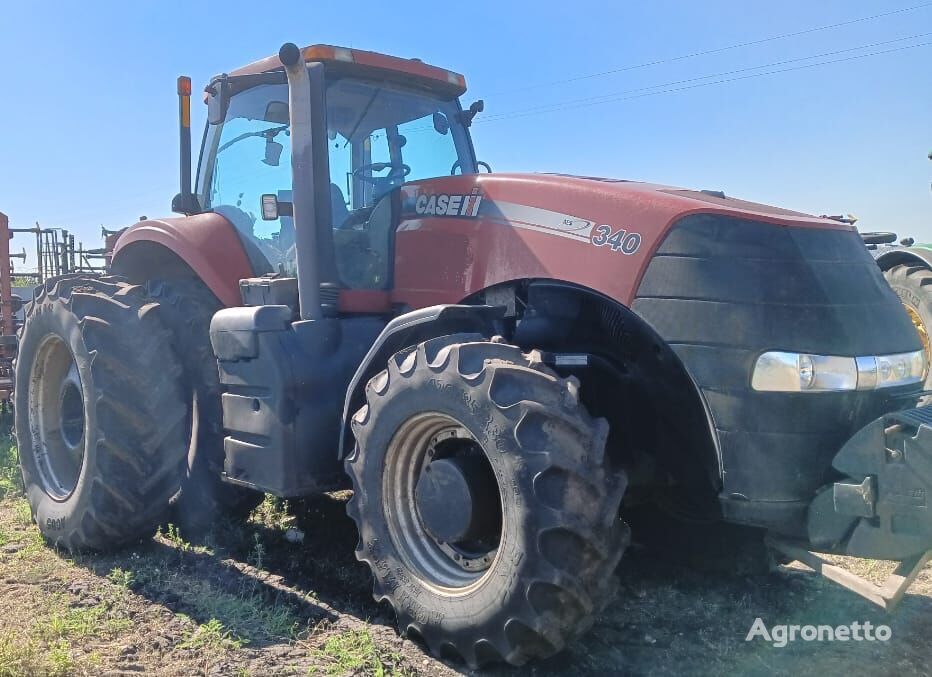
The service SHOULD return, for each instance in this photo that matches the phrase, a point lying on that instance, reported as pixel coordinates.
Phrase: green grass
(22, 512)
(11, 481)
(104, 619)
(19, 656)
(273, 513)
(121, 578)
(211, 636)
(355, 652)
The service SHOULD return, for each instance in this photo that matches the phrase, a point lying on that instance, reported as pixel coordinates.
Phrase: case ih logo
(442, 204)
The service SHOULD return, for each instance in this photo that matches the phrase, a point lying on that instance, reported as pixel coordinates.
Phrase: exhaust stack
(305, 208)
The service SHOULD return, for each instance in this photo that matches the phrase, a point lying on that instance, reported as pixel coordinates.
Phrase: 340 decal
(620, 240)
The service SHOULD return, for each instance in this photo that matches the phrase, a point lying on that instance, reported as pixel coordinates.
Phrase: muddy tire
(187, 308)
(913, 284)
(462, 402)
(100, 414)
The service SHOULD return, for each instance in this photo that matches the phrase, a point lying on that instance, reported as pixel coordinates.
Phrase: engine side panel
(461, 234)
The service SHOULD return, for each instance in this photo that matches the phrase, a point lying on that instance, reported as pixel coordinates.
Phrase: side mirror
(273, 152)
(474, 109)
(441, 124)
(277, 112)
(218, 99)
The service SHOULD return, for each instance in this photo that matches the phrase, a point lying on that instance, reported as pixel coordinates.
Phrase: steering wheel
(399, 170)
(479, 163)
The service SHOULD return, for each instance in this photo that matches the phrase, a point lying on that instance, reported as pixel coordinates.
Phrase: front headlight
(777, 371)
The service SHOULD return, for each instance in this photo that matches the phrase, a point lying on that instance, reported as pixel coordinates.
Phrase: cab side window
(253, 157)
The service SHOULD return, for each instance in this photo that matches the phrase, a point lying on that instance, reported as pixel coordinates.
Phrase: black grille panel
(722, 290)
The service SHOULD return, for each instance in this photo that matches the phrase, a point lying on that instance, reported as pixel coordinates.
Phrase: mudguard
(207, 243)
(409, 329)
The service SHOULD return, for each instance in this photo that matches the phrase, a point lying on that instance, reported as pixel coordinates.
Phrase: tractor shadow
(262, 587)
(670, 616)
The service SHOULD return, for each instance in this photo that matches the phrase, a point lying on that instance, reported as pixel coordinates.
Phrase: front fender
(407, 330)
(207, 243)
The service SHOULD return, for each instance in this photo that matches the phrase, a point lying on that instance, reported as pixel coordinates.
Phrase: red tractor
(498, 365)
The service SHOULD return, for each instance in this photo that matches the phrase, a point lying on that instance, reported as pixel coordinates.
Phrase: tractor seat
(338, 209)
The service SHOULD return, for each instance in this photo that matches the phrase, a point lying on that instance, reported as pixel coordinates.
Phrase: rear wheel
(100, 415)
(486, 508)
(913, 284)
(187, 308)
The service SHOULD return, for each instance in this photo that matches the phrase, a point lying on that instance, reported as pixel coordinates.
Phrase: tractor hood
(597, 232)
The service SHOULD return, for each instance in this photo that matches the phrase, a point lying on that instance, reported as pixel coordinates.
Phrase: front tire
(507, 551)
(100, 415)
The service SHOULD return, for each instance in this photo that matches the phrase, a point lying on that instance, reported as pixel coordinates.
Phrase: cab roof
(353, 59)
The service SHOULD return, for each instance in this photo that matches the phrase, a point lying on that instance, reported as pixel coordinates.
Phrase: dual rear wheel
(101, 419)
(118, 412)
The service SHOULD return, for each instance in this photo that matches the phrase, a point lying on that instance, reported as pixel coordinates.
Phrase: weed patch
(11, 481)
(355, 652)
(104, 619)
(211, 636)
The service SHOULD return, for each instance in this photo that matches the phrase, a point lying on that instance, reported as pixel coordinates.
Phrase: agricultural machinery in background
(502, 367)
(56, 253)
(907, 266)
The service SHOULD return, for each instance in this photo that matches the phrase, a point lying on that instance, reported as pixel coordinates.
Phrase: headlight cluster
(777, 371)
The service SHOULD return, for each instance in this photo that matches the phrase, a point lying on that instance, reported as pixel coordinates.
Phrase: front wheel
(486, 508)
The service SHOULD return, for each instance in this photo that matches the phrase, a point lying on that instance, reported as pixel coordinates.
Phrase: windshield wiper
(269, 134)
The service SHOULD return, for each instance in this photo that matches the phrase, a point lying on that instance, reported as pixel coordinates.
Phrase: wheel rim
(923, 337)
(451, 568)
(57, 418)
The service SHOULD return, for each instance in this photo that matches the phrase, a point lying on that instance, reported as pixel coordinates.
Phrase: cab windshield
(379, 136)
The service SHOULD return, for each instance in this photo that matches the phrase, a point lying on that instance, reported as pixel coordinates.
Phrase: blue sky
(88, 108)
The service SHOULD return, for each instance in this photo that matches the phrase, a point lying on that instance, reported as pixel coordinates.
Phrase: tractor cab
(386, 120)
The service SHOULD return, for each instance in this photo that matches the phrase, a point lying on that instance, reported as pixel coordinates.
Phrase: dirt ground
(250, 601)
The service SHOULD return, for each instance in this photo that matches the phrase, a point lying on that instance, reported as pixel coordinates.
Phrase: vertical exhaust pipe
(302, 178)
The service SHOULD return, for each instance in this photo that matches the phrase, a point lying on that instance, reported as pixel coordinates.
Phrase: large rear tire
(187, 308)
(100, 414)
(536, 530)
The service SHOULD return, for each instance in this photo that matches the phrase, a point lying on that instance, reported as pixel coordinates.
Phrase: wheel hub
(56, 413)
(442, 501)
(455, 499)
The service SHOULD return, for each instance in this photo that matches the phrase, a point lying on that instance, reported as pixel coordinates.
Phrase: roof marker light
(328, 53)
(342, 54)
